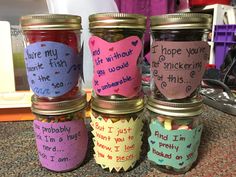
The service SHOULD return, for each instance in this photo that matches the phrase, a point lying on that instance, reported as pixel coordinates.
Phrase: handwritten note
(117, 145)
(178, 67)
(53, 68)
(175, 148)
(61, 146)
(116, 66)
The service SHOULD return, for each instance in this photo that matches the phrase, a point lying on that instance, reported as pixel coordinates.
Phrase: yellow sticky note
(117, 145)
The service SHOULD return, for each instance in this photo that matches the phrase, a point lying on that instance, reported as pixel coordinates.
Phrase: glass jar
(175, 133)
(116, 46)
(117, 130)
(52, 55)
(179, 53)
(60, 133)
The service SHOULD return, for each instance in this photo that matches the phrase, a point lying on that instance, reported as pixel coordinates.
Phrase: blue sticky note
(53, 68)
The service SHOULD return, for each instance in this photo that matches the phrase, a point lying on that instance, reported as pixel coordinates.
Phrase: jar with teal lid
(179, 54)
(116, 46)
(175, 134)
(60, 132)
(117, 133)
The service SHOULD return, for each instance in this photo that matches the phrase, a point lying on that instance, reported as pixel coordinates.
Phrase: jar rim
(58, 107)
(184, 108)
(116, 106)
(181, 21)
(117, 20)
(50, 22)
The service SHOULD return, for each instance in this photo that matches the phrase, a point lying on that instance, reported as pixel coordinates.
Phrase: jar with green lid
(60, 133)
(179, 53)
(117, 130)
(52, 55)
(175, 133)
(116, 47)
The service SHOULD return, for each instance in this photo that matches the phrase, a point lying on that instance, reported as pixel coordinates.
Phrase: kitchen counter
(217, 152)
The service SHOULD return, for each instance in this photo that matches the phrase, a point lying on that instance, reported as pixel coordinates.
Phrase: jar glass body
(118, 54)
(117, 140)
(173, 141)
(53, 63)
(178, 59)
(61, 140)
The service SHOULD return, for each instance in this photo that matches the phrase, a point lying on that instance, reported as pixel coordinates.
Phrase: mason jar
(117, 133)
(116, 46)
(52, 55)
(175, 134)
(179, 53)
(60, 133)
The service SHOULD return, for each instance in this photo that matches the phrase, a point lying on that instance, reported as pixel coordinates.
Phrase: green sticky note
(175, 148)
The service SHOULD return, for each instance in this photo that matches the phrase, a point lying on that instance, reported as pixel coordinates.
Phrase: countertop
(217, 152)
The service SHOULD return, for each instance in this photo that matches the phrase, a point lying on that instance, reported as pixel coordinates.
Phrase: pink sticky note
(61, 146)
(116, 66)
(178, 67)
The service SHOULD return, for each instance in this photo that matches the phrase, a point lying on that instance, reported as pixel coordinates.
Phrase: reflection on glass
(21, 82)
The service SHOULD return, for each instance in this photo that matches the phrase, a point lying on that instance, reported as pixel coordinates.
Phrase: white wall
(11, 10)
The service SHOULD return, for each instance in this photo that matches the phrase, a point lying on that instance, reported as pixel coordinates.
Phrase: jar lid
(59, 107)
(50, 22)
(185, 108)
(117, 20)
(117, 107)
(181, 21)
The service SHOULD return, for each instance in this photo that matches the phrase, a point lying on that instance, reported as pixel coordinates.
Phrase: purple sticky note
(53, 68)
(61, 146)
